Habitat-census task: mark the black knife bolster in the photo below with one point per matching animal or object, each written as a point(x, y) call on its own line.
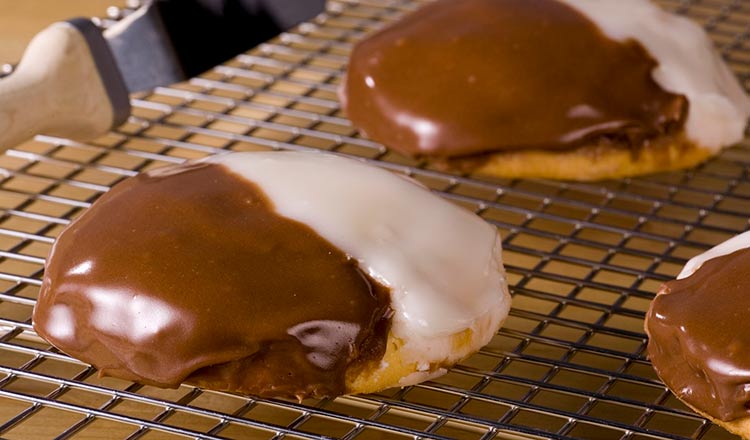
point(105, 63)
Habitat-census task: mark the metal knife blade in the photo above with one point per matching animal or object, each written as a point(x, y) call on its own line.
point(143, 51)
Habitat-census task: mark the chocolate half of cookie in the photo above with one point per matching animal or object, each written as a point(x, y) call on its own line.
point(191, 276)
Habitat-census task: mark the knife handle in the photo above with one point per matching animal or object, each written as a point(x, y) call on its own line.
point(55, 90)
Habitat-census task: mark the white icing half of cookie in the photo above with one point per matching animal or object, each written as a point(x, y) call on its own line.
point(442, 262)
point(734, 244)
point(688, 64)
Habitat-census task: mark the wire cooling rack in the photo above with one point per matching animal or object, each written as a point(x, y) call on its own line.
point(583, 260)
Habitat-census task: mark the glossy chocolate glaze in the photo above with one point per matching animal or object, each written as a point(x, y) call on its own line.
point(188, 274)
point(460, 78)
point(699, 343)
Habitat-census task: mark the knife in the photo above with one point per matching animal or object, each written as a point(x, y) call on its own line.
point(74, 80)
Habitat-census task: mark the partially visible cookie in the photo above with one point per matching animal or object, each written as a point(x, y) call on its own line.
point(698, 338)
point(278, 274)
point(565, 89)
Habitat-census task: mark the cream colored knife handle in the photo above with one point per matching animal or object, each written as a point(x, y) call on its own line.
point(55, 90)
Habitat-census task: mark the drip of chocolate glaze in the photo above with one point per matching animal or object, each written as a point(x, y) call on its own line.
point(463, 78)
point(699, 343)
point(188, 275)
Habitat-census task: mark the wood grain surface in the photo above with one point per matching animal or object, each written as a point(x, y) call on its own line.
point(21, 20)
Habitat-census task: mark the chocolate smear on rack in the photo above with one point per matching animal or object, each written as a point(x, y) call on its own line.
point(187, 274)
point(463, 78)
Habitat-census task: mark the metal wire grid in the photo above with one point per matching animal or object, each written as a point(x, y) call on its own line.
point(583, 259)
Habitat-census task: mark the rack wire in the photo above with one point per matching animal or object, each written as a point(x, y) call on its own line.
point(584, 260)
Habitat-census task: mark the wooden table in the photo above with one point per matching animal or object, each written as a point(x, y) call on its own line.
point(21, 20)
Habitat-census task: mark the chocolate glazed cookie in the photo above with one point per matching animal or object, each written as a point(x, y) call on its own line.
point(698, 339)
point(573, 89)
point(276, 274)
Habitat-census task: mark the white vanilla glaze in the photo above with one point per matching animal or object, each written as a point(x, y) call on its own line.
point(442, 262)
point(688, 64)
point(734, 244)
